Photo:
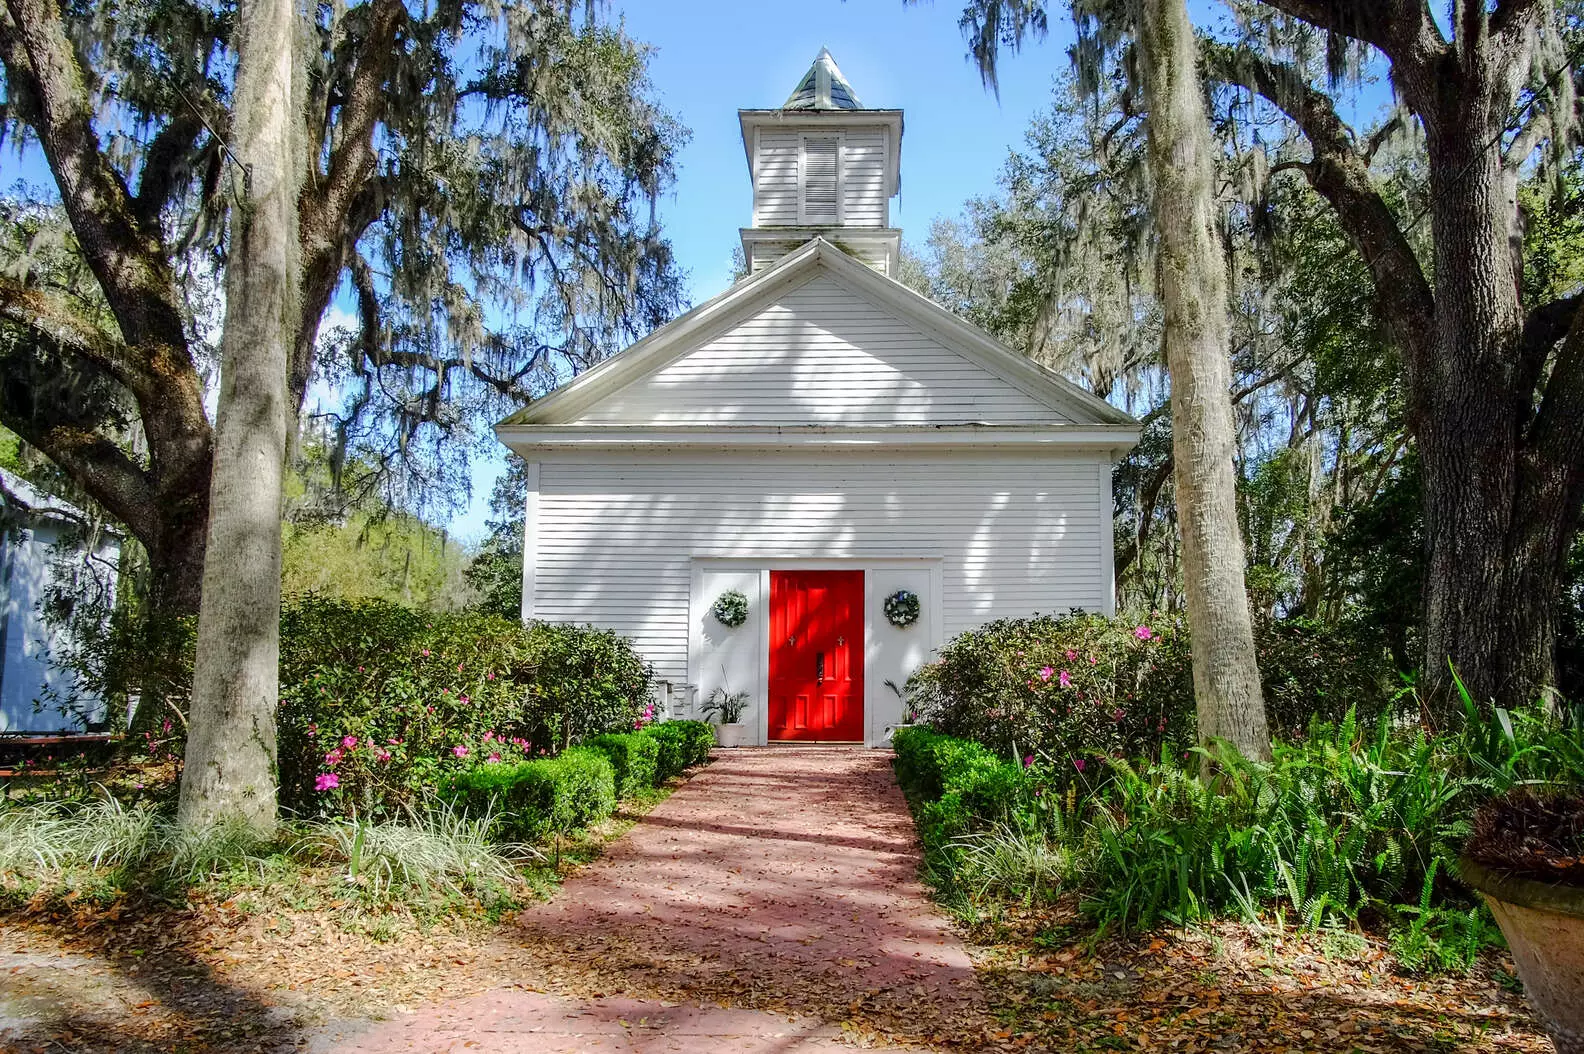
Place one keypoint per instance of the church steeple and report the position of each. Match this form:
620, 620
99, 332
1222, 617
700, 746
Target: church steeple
823, 166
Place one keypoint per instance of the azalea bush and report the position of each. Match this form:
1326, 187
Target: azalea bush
1075, 687
1083, 688
379, 703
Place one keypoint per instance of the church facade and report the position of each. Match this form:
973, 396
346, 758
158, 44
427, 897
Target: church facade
851, 469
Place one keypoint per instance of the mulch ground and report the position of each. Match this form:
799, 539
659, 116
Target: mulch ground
772, 904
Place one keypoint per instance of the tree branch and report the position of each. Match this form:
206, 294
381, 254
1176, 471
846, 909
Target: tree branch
164, 162
62, 325
1342, 177
336, 207
1544, 326
94, 463
126, 255
1404, 31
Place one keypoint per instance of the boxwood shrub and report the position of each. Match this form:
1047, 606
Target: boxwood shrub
531, 800
683, 744
633, 755
957, 786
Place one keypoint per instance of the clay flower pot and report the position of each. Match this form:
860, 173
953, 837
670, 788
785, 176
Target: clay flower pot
734, 734
1544, 927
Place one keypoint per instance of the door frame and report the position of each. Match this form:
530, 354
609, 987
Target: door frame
931, 622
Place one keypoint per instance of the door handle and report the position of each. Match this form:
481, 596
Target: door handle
819, 668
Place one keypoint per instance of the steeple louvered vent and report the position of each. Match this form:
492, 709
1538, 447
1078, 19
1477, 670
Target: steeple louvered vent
821, 179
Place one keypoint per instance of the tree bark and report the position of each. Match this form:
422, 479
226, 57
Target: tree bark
1227, 692
229, 775
1498, 437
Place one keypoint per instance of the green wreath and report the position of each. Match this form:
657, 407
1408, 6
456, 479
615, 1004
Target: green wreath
730, 608
902, 608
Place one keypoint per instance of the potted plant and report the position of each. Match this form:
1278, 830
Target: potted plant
730, 732
1526, 857
910, 714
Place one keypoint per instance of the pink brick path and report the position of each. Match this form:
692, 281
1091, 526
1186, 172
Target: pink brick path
781, 883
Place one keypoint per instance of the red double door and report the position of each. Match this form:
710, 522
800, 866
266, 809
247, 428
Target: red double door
816, 656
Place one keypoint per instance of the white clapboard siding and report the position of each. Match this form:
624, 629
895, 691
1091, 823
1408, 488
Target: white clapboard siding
864, 199
775, 178
871, 251
821, 354
1015, 533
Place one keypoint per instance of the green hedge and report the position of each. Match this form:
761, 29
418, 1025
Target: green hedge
683, 744
531, 800
957, 786
634, 756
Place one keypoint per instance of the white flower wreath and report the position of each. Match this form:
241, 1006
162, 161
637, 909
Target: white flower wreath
730, 608
902, 608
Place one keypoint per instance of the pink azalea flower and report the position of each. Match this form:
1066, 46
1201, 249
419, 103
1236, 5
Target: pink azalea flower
383, 755
426, 653
1079, 764
462, 699
327, 781
1143, 633
349, 741
1045, 673
1071, 655
460, 751
490, 676
333, 757
1028, 761
1066, 679
488, 736
494, 759
1117, 714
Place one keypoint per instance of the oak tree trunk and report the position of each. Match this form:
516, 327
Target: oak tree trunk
1193, 280
1502, 484
229, 775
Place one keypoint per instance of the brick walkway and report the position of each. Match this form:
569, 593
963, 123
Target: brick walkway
760, 908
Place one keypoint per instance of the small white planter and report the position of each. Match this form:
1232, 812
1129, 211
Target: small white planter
891, 730
732, 735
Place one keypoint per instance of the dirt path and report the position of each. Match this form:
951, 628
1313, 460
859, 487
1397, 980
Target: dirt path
781, 882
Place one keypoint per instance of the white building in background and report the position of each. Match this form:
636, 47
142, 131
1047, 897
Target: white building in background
45, 551
821, 439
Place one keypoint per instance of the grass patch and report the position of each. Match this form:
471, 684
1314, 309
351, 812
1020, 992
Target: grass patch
378, 879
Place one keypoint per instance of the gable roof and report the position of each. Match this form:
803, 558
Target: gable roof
563, 406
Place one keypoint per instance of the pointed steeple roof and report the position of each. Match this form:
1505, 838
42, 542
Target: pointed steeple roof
823, 88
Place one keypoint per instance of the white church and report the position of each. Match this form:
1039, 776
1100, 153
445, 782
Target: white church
869, 472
